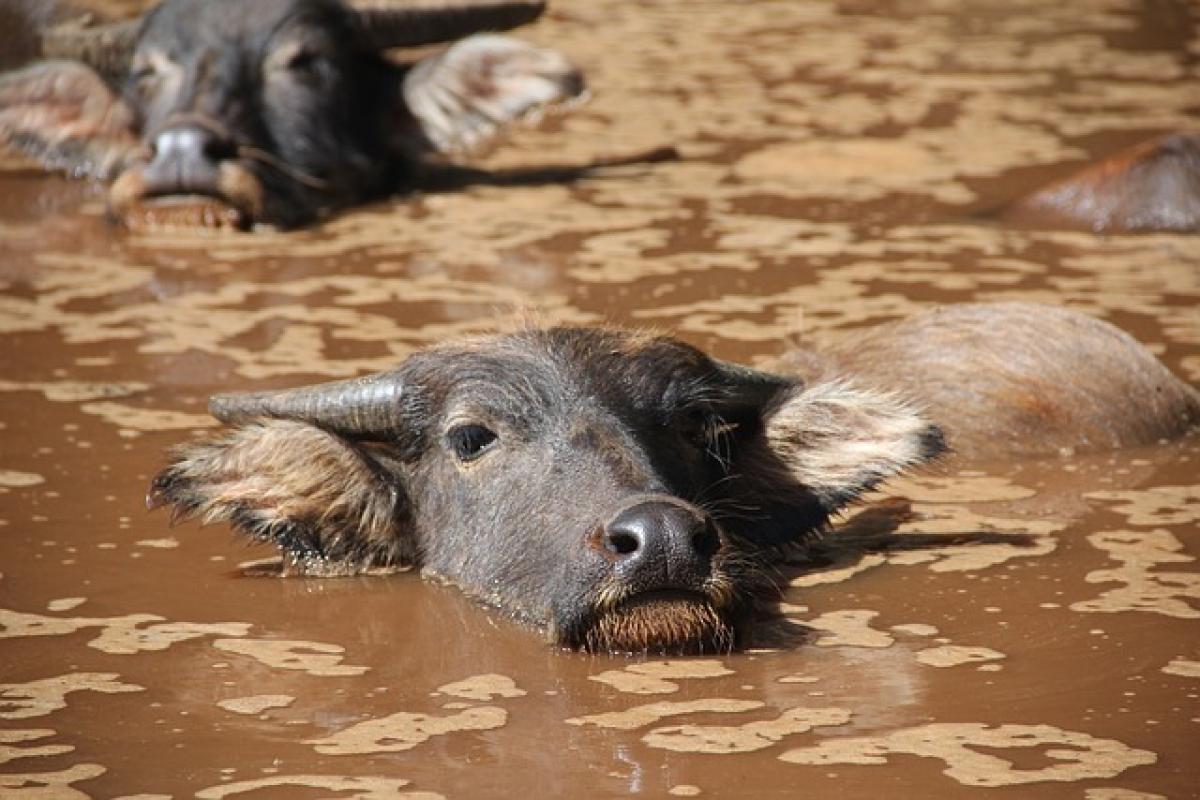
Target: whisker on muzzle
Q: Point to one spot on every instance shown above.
(263, 157)
(610, 595)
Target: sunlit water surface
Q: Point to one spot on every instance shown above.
(1027, 631)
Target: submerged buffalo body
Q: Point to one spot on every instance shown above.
(628, 493)
(1153, 186)
(240, 111)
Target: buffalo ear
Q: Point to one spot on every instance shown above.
(332, 506)
(66, 116)
(838, 441)
(467, 94)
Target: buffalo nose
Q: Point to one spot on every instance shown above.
(186, 159)
(184, 144)
(661, 545)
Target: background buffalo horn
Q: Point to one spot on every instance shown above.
(366, 407)
(106, 48)
(414, 26)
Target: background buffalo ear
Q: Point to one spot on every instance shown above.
(466, 95)
(63, 114)
(331, 505)
(839, 441)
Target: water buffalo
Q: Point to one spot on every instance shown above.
(626, 492)
(231, 112)
(1152, 186)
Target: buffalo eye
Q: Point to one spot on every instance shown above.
(305, 63)
(470, 441)
(707, 431)
(302, 61)
(143, 75)
(694, 424)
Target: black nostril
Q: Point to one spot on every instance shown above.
(660, 542)
(622, 543)
(191, 143)
(705, 539)
(219, 149)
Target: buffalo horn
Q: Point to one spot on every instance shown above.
(366, 407)
(106, 48)
(414, 26)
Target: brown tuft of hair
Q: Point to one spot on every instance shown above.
(664, 625)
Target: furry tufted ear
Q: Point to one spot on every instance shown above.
(66, 116)
(333, 507)
(839, 441)
(466, 95)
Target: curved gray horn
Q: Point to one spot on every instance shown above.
(106, 48)
(359, 408)
(413, 26)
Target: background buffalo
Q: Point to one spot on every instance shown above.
(232, 112)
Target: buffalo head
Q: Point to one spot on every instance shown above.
(241, 111)
(622, 492)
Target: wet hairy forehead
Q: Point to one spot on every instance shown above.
(544, 371)
(186, 24)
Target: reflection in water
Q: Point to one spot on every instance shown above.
(747, 737)
(42, 697)
(1028, 625)
(405, 731)
(1087, 757)
(1145, 588)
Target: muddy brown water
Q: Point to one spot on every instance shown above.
(1023, 631)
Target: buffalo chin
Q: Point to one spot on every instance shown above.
(665, 623)
(183, 212)
(235, 202)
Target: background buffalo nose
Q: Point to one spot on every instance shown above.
(661, 545)
(186, 144)
(186, 159)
